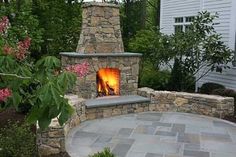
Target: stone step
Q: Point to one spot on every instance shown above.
(115, 100)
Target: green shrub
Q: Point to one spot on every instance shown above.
(17, 141)
(180, 80)
(151, 77)
(208, 88)
(226, 92)
(105, 153)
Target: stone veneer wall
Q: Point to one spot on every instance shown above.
(52, 141)
(86, 87)
(100, 29)
(116, 110)
(209, 105)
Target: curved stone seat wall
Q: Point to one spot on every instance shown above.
(52, 140)
(209, 105)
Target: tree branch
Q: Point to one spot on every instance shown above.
(152, 5)
(204, 74)
(14, 75)
(200, 67)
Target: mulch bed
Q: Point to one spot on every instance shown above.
(10, 115)
(231, 118)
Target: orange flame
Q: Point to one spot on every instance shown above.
(108, 82)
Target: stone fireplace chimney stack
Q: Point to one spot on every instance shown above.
(100, 29)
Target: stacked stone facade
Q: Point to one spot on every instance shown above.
(100, 29)
(127, 63)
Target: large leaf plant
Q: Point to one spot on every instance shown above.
(38, 86)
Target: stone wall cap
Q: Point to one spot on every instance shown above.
(216, 97)
(99, 4)
(146, 89)
(81, 55)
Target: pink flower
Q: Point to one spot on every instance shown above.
(7, 50)
(25, 44)
(22, 47)
(80, 69)
(4, 94)
(4, 23)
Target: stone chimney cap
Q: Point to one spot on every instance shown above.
(99, 4)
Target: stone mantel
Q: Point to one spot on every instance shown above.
(84, 55)
(100, 4)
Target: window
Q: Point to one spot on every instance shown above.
(189, 19)
(179, 20)
(178, 28)
(187, 28)
(182, 24)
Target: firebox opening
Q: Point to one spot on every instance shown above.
(108, 82)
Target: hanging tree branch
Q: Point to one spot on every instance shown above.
(15, 75)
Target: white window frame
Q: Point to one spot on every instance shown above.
(184, 23)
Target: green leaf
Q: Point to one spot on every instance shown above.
(67, 111)
(49, 62)
(50, 94)
(53, 112)
(44, 120)
(66, 81)
(7, 64)
(16, 98)
(43, 93)
(23, 71)
(34, 114)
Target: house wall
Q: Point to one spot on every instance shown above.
(176, 8)
(226, 27)
(226, 10)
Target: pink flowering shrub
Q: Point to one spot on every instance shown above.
(4, 94)
(80, 69)
(4, 23)
(22, 48)
(34, 88)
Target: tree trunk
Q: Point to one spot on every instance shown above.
(18, 4)
(144, 14)
(157, 23)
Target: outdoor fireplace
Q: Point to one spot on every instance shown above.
(108, 82)
(111, 70)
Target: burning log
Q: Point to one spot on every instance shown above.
(111, 91)
(108, 82)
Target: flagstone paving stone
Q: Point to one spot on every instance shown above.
(154, 135)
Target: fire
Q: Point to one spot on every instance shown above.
(108, 82)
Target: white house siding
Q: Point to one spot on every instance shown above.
(226, 27)
(176, 8)
(223, 8)
(227, 24)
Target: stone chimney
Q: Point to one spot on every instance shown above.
(100, 29)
